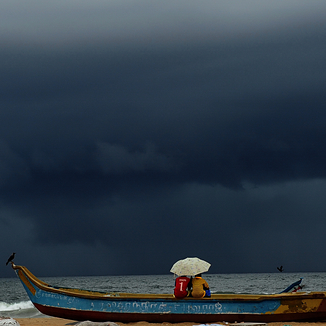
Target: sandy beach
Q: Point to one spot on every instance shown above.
(65, 322)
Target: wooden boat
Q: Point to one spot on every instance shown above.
(79, 304)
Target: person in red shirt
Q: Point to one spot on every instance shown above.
(182, 285)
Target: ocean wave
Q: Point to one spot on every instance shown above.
(4, 306)
(23, 309)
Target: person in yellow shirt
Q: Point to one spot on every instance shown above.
(199, 287)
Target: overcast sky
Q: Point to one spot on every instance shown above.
(137, 133)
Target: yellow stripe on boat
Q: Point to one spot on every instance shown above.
(26, 281)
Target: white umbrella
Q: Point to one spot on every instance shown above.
(190, 266)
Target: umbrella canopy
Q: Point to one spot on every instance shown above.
(190, 266)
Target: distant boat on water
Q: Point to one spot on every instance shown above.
(79, 304)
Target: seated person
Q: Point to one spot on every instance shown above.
(182, 285)
(199, 287)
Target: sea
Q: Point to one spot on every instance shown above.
(15, 303)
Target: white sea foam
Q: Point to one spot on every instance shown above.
(23, 309)
(4, 306)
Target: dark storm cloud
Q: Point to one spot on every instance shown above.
(154, 131)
